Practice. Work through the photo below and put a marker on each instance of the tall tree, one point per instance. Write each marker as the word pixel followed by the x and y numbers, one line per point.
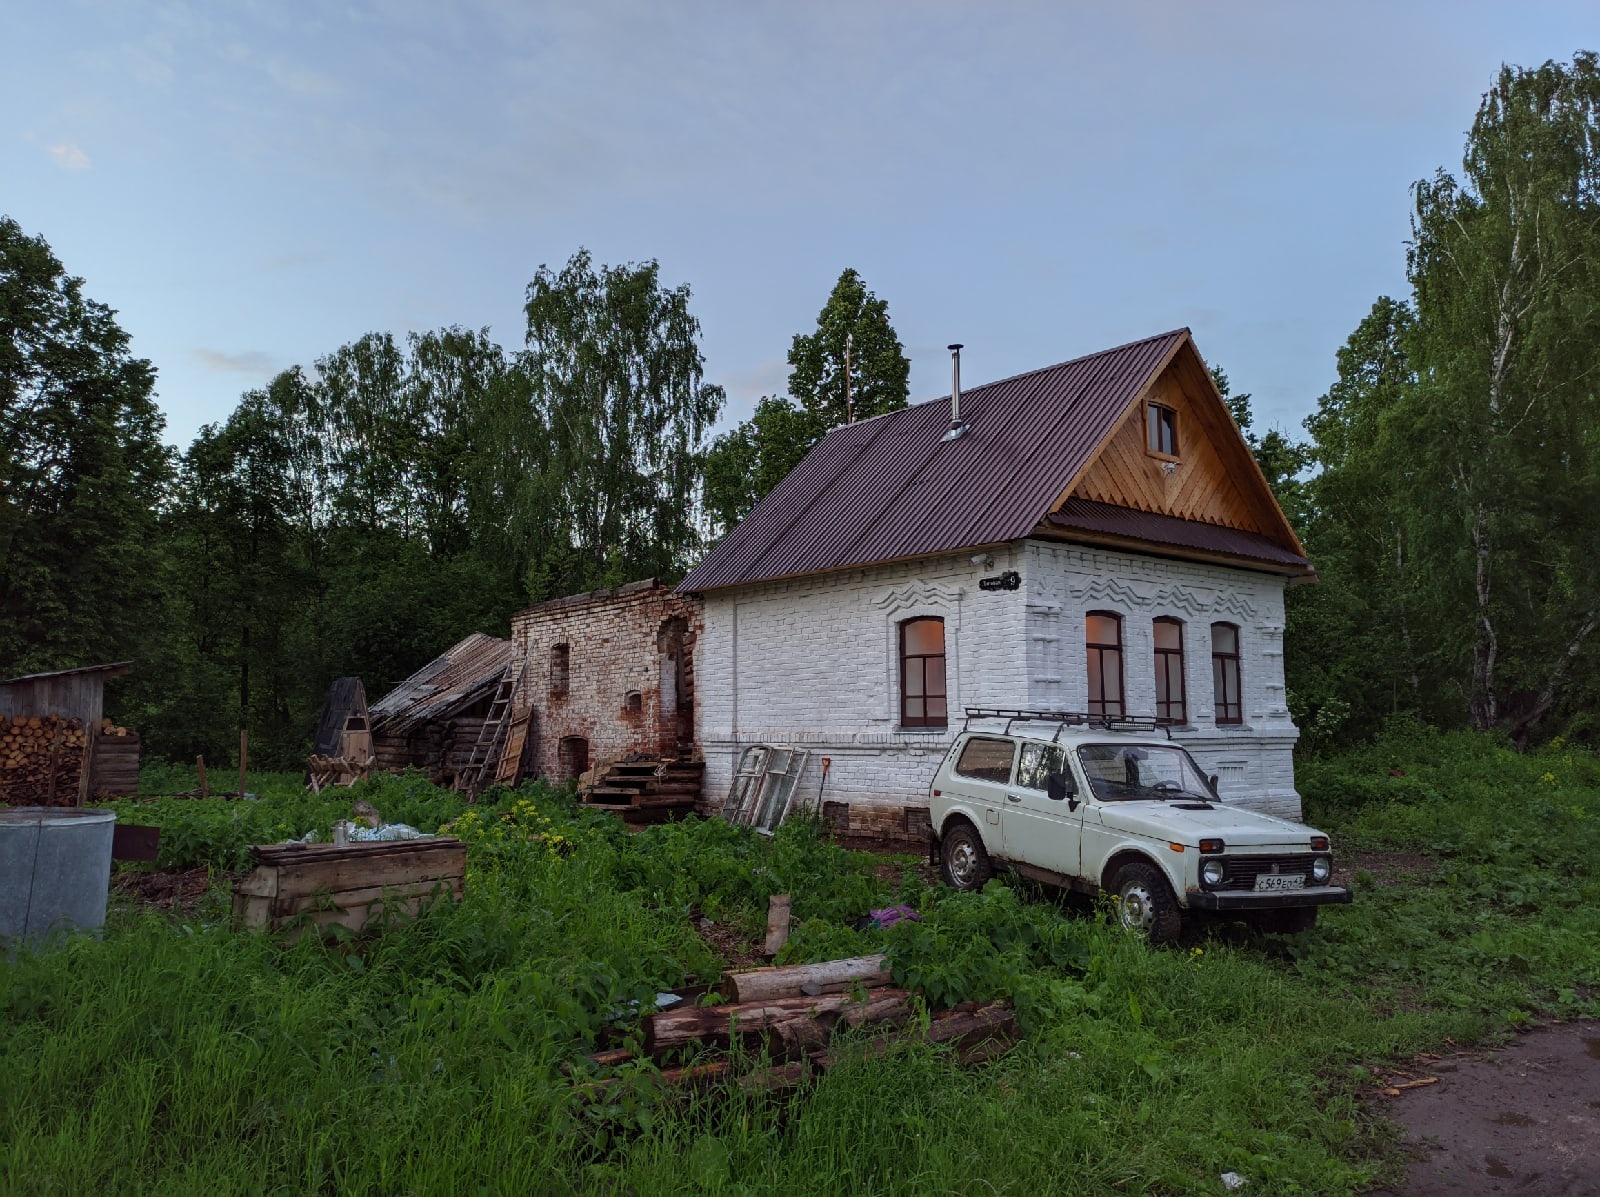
pixel 82 469
pixel 614 366
pixel 1362 650
pixel 1505 264
pixel 853 366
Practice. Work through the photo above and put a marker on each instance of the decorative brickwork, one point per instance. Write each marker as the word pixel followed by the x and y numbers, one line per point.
pixel 608 674
pixel 815 662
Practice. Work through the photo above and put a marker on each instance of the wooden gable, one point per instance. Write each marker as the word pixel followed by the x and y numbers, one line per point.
pixel 1212 479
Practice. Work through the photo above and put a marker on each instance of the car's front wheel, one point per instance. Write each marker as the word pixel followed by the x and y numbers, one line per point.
pixel 1145 902
pixel 963 860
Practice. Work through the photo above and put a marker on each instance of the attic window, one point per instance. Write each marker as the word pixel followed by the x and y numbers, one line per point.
pixel 1161 430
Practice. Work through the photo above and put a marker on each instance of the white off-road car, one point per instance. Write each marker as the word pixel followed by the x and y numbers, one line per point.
pixel 1092 804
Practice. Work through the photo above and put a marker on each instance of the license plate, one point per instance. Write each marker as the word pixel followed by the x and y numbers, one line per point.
pixel 1270 882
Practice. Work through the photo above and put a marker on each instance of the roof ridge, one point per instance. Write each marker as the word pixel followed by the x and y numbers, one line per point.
pixel 1071 361
pixel 965 391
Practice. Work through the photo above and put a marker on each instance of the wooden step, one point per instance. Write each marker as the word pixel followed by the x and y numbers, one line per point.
pixel 611 796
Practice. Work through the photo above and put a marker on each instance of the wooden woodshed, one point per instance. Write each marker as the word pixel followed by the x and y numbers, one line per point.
pixel 433 720
pixel 55 725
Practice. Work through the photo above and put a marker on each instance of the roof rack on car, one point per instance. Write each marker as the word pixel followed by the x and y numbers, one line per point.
pixel 1064 719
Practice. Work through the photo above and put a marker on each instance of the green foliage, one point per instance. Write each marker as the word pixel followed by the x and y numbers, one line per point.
pixel 82 470
pixel 853 366
pixel 434 1056
pixel 744 464
pixel 614 364
pixel 1454 519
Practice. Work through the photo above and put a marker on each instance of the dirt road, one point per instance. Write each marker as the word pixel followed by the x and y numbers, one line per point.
pixel 1521 1120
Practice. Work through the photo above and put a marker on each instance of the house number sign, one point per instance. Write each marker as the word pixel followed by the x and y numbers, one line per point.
pixel 1010 580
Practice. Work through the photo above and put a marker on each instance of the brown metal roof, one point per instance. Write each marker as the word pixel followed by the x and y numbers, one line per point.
pixel 1106 519
pixel 449 683
pixel 889 488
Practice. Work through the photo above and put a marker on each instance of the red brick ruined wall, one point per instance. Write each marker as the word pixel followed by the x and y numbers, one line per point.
pixel 626 684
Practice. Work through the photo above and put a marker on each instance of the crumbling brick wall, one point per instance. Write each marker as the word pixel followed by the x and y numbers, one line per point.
pixel 608 673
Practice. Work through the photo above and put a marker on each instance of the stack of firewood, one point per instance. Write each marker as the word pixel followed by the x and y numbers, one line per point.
pixel 41 759
pixel 787 1017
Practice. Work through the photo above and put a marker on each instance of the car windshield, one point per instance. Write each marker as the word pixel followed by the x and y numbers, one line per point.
pixel 1124 772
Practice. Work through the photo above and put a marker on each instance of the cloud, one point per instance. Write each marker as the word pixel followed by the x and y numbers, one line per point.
pixel 301 81
pixel 68 156
pixel 252 361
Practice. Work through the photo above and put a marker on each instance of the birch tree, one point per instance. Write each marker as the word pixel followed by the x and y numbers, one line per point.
pixel 1502 422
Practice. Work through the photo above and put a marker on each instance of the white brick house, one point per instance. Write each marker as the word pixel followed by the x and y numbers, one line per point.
pixel 1136 563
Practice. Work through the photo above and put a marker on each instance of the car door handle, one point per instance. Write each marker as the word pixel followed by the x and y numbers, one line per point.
pixel 1012 798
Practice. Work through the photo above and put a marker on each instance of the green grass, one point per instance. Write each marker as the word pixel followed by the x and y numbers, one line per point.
pixel 179 1056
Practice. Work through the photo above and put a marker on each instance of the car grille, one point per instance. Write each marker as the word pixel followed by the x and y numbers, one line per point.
pixel 1242 871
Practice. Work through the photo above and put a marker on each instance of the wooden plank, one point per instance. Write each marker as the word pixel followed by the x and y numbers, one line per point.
pixel 281 854
pixel 719 1024
pixel 130 841
pixel 377 871
pixel 286 905
pixel 778 907
pixel 251 912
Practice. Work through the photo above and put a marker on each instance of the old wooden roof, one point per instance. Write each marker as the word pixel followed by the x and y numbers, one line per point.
pixel 890 488
pixel 115 669
pixel 345 696
pixel 449 683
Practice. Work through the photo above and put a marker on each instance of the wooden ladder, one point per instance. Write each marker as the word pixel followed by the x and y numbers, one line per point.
pixel 493 733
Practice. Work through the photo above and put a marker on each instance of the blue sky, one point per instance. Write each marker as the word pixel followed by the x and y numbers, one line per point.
pixel 253 184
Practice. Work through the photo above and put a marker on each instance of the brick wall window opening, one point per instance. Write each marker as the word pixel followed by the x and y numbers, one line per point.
pixel 1225 673
pixel 574 756
pixel 633 702
pixel 1103 643
pixel 560 668
pixel 1161 430
pixel 923 701
pixel 1171 706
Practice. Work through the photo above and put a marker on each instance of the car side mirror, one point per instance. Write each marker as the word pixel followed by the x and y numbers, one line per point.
pixel 1212 782
pixel 1059 786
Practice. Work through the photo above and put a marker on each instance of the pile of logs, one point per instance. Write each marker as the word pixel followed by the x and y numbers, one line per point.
pixel 41 759
pixel 324 771
pixel 787 1016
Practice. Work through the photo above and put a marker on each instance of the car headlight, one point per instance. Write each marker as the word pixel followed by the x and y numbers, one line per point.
pixel 1321 869
pixel 1212 872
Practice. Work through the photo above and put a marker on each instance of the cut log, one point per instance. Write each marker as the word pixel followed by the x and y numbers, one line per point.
pixel 778 919
pixel 720 1024
pixel 792 980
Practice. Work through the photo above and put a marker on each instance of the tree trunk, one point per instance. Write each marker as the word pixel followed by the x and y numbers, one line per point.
pixel 1558 678
pixel 1484 707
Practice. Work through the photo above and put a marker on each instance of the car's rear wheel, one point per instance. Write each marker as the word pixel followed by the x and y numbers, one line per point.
pixel 963 860
pixel 1145 902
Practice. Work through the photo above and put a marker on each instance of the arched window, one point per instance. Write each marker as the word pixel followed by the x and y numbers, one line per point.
pixel 1103 640
pixel 1170 704
pixel 1225 673
pixel 560 668
pixel 922 680
pixel 574 756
